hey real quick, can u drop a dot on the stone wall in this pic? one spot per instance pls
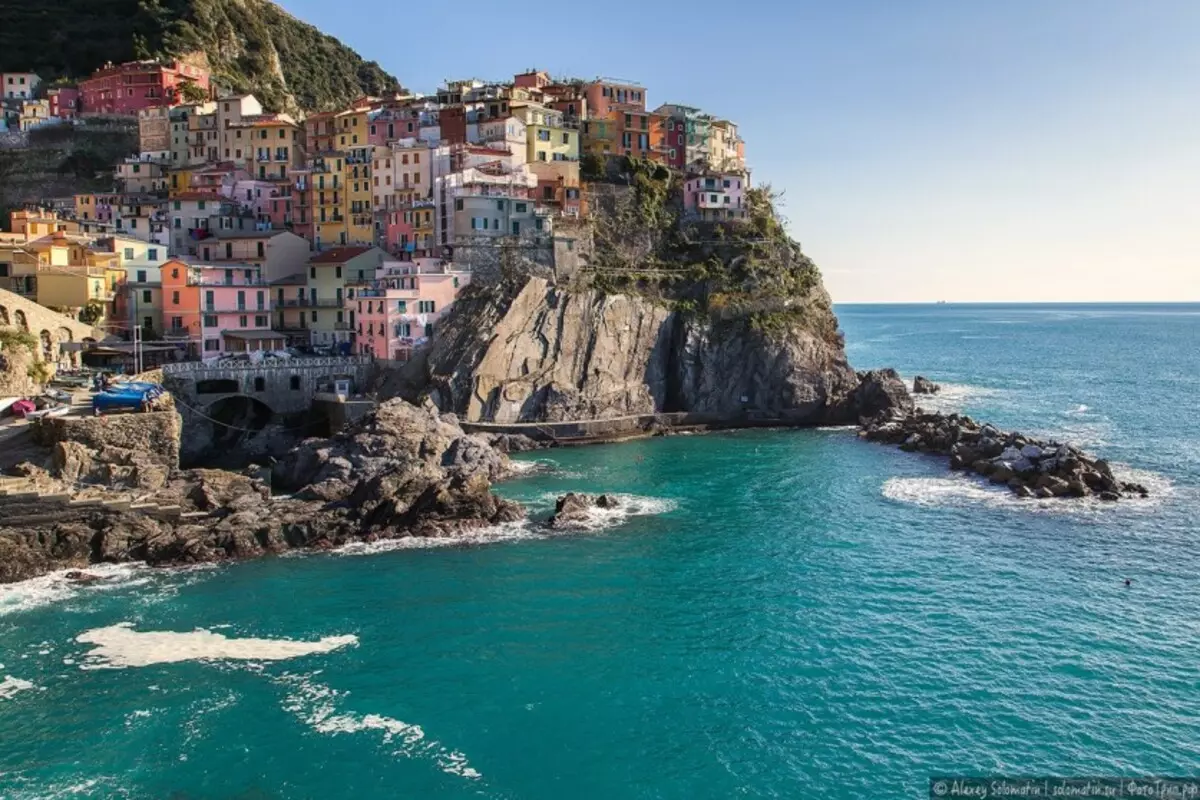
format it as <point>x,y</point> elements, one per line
<point>154,435</point>
<point>49,327</point>
<point>286,387</point>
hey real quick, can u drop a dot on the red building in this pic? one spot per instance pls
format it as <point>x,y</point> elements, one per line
<point>64,102</point>
<point>453,124</point>
<point>676,142</point>
<point>128,88</point>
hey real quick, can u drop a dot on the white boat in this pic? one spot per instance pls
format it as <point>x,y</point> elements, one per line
<point>6,404</point>
<point>57,411</point>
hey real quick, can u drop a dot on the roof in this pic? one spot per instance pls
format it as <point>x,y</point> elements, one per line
<point>253,334</point>
<point>296,279</point>
<point>338,255</point>
<point>219,234</point>
<point>198,196</point>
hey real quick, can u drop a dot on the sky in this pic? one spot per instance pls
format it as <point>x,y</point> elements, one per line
<point>1023,150</point>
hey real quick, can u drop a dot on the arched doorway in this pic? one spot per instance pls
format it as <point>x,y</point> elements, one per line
<point>67,358</point>
<point>4,316</point>
<point>20,320</point>
<point>236,419</point>
<point>47,346</point>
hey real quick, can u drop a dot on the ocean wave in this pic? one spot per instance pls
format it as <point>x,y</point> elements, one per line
<point>519,469</point>
<point>54,587</point>
<point>119,646</point>
<point>961,490</point>
<point>952,397</point>
<point>838,428</point>
<point>492,534</point>
<point>10,686</point>
<point>1079,409</point>
<point>316,705</point>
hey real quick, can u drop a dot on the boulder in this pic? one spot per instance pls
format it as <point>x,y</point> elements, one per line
<point>922,385</point>
<point>1001,474</point>
<point>1032,452</point>
<point>880,391</point>
<point>573,510</point>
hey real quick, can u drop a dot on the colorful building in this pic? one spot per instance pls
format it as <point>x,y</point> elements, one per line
<point>397,309</point>
<point>64,102</point>
<point>126,89</point>
<point>18,85</point>
<point>548,137</point>
<point>212,310</point>
<point>328,273</point>
<point>716,196</point>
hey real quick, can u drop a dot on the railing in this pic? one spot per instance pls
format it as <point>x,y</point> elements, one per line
<point>181,367</point>
<point>308,302</point>
<point>343,326</point>
<point>234,308</point>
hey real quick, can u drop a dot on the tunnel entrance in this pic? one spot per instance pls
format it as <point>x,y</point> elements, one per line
<point>236,420</point>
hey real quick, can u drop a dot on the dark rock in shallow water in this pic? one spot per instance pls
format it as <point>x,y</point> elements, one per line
<point>1027,466</point>
<point>881,392</point>
<point>922,385</point>
<point>573,510</point>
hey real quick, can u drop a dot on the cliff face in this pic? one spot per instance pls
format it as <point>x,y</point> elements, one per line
<point>530,352</point>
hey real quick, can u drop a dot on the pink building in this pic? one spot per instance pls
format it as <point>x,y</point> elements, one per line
<point>255,195</point>
<point>715,196</point>
<point>398,231</point>
<point>606,95</point>
<point>397,311</point>
<point>235,309</point>
<point>64,102</point>
<point>128,88</point>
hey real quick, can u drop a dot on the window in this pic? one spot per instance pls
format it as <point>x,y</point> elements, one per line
<point>178,223</point>
<point>177,203</point>
<point>211,345</point>
<point>242,321</point>
<point>520,208</point>
<point>261,321</point>
<point>416,158</point>
<point>260,384</point>
<point>337,272</point>
<point>210,321</point>
<point>458,205</point>
<point>146,296</point>
<point>175,295</point>
<point>314,316</point>
<point>141,276</point>
<point>566,138</point>
<point>152,254</point>
<point>177,323</point>
<point>402,306</point>
<point>425,307</point>
<point>543,136</point>
<point>261,249</point>
<point>294,383</point>
<point>312,271</point>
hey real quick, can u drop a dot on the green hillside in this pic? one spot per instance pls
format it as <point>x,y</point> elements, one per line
<point>250,45</point>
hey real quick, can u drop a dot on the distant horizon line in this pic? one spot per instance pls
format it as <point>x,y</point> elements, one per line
<point>1016,302</point>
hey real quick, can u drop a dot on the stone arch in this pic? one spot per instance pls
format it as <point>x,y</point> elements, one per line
<point>47,350</point>
<point>19,318</point>
<point>236,418</point>
<point>4,316</point>
<point>67,357</point>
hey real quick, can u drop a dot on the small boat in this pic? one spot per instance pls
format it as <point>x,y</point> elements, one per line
<point>6,404</point>
<point>57,411</point>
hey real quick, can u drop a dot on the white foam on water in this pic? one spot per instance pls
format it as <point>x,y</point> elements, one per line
<point>316,705</point>
<point>1079,409</point>
<point>55,587</point>
<point>961,490</point>
<point>837,427</point>
<point>519,469</point>
<point>953,396</point>
<point>119,646</point>
<point>628,506</point>
<point>10,686</point>
<point>492,534</point>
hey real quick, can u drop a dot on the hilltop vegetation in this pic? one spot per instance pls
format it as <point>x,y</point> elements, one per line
<point>250,45</point>
<point>742,273</point>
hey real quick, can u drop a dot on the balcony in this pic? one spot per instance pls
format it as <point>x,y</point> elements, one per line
<point>232,308</point>
<point>343,326</point>
<point>308,302</point>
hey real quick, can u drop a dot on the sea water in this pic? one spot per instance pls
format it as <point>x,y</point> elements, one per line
<point>767,613</point>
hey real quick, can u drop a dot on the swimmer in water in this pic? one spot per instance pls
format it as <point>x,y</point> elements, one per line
<point>1128,583</point>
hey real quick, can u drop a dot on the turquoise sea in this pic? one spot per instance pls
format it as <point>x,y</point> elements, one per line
<point>775,614</point>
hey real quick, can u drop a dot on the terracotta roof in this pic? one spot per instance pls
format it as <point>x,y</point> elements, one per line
<point>338,255</point>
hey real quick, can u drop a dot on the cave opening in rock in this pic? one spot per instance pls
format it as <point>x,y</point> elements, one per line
<point>235,419</point>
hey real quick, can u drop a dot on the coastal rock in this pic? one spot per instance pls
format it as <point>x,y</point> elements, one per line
<point>574,510</point>
<point>922,385</point>
<point>532,351</point>
<point>1027,466</point>
<point>402,471</point>
<point>881,392</point>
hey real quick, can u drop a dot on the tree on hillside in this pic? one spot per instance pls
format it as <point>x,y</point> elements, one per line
<point>190,92</point>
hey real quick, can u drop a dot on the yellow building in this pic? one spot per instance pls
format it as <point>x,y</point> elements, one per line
<point>548,137</point>
<point>273,146</point>
<point>351,128</point>
<point>330,226</point>
<point>71,288</point>
<point>179,180</point>
<point>328,272</point>
<point>359,196</point>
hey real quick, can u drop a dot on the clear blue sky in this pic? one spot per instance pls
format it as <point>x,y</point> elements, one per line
<point>928,149</point>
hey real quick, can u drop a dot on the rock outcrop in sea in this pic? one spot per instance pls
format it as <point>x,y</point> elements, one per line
<point>1029,466</point>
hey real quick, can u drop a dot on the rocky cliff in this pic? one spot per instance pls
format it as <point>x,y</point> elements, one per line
<point>531,351</point>
<point>666,314</point>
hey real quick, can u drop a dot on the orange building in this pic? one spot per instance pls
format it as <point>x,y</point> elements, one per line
<point>182,323</point>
